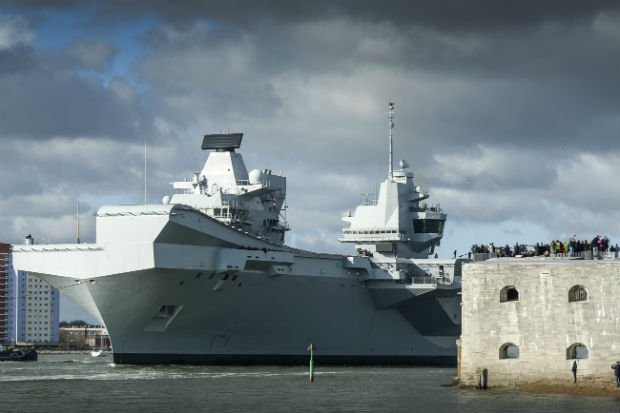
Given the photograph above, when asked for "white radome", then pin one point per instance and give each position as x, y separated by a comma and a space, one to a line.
255, 176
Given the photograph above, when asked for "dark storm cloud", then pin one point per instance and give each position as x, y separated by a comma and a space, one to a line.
560, 48
455, 15
552, 74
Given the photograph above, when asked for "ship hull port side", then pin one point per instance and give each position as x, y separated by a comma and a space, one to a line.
227, 321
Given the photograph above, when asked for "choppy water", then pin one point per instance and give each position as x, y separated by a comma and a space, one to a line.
80, 383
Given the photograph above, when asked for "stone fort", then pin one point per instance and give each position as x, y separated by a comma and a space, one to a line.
530, 319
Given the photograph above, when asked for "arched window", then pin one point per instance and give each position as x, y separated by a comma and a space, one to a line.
508, 351
576, 351
508, 293
577, 293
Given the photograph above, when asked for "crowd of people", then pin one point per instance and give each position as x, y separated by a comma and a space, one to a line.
598, 247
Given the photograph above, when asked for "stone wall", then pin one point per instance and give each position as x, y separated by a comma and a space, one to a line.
541, 322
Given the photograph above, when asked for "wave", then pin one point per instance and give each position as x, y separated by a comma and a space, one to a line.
149, 375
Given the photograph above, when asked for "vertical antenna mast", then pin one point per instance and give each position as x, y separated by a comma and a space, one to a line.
78, 222
391, 126
144, 171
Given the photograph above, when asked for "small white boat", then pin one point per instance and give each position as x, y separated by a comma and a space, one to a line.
99, 353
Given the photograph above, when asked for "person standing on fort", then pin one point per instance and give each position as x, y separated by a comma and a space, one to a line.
616, 369
594, 244
574, 370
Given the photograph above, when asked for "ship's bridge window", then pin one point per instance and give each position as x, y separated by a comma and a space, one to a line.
576, 351
508, 293
428, 226
508, 351
577, 293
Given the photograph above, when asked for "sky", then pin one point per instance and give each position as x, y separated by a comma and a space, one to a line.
507, 112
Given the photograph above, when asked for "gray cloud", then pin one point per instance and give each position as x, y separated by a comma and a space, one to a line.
44, 98
47, 104
486, 15
15, 31
89, 55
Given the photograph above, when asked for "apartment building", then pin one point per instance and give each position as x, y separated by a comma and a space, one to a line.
29, 307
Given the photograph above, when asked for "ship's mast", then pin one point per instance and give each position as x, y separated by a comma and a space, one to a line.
78, 222
391, 126
145, 171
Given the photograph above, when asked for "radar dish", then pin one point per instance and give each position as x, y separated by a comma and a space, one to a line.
222, 142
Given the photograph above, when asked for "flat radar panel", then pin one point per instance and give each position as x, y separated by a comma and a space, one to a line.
222, 142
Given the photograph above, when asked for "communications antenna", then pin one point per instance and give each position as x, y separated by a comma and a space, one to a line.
391, 126
78, 222
144, 171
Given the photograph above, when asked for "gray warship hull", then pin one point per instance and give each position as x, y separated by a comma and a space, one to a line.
173, 285
206, 278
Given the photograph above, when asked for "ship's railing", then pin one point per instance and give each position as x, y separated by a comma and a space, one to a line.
130, 213
372, 231
423, 280
371, 237
225, 215
56, 248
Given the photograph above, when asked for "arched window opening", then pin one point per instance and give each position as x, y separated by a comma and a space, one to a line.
576, 351
577, 293
508, 351
508, 293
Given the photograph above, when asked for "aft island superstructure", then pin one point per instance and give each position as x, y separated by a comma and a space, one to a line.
205, 277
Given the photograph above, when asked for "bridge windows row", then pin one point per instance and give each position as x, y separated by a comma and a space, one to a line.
576, 351
576, 293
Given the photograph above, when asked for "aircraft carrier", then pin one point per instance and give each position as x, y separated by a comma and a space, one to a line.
206, 278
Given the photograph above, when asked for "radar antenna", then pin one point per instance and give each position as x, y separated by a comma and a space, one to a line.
391, 126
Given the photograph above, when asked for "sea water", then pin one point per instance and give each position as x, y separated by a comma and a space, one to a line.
81, 383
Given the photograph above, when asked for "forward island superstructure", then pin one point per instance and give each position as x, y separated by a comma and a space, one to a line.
205, 277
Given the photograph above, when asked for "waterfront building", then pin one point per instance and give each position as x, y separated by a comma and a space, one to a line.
5, 267
29, 307
79, 337
531, 319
